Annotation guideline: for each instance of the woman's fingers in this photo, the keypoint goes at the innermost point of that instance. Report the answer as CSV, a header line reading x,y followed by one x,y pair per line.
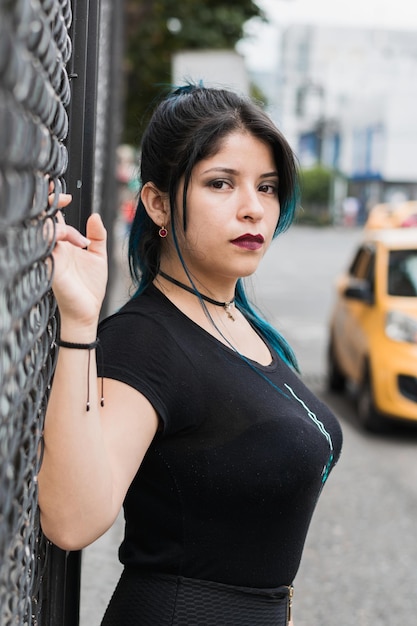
x,y
95,228
96,233
63,199
59,218
63,232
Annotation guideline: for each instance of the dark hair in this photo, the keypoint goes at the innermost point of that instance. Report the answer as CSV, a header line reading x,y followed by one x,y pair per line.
x,y
187,127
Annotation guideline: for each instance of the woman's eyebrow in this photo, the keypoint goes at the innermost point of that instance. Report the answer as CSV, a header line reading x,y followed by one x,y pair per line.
x,y
229,170
269,175
226,170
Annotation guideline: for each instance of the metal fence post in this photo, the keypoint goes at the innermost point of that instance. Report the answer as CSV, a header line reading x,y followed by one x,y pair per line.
x,y
82,116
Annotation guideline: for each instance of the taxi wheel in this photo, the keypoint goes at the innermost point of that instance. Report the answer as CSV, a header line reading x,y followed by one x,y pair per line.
x,y
336,380
368,416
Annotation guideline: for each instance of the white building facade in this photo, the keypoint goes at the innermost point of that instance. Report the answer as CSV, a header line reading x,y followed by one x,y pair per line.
x,y
348,100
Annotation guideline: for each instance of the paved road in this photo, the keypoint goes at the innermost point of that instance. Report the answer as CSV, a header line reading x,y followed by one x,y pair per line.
x,y
360,559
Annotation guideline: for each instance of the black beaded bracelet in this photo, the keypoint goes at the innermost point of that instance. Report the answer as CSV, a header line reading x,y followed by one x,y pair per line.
x,y
77,346
84,346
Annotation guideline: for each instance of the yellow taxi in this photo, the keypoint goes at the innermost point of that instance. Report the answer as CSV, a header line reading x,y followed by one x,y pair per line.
x,y
392,215
373,328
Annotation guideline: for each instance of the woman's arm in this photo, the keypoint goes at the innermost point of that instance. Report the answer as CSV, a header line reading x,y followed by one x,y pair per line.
x,y
91,457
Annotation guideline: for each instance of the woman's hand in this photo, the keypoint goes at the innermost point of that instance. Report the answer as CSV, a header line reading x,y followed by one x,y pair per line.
x,y
80,270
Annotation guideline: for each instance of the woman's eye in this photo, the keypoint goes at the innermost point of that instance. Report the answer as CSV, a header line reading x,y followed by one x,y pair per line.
x,y
219,184
269,188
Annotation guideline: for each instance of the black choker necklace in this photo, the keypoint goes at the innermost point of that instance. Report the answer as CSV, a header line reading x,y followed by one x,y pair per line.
x,y
226,305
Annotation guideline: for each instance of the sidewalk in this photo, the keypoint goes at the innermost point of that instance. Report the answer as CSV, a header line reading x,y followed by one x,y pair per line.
x,y
100,572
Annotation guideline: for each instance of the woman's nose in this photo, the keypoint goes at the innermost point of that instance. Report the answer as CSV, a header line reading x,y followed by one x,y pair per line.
x,y
251,206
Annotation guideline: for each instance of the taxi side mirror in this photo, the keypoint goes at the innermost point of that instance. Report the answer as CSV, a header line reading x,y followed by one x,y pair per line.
x,y
359,290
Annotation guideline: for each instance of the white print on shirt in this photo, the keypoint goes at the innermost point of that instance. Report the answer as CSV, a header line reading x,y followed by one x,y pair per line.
x,y
320,426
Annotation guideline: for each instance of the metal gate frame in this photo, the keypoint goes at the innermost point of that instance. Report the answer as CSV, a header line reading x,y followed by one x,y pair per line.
x,y
39,583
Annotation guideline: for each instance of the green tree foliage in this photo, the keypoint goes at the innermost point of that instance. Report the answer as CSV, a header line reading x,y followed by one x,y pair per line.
x,y
315,185
155,29
315,196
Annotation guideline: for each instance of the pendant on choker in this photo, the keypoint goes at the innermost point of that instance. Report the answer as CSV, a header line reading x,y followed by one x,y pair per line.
x,y
227,306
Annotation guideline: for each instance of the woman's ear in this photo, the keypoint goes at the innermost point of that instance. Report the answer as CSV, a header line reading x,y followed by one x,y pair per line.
x,y
156,204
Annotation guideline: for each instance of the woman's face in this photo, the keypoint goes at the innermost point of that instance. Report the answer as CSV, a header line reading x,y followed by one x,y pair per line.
x,y
232,210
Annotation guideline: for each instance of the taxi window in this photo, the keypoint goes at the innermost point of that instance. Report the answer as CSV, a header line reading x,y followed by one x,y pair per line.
x,y
402,273
363,264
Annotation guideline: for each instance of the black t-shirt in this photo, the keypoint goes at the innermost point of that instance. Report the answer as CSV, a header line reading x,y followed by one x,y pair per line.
x,y
228,486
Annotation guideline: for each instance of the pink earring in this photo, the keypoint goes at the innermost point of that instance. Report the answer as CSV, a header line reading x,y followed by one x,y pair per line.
x,y
163,232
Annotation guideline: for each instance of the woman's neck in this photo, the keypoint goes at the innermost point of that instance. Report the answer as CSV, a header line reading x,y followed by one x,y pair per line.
x,y
220,290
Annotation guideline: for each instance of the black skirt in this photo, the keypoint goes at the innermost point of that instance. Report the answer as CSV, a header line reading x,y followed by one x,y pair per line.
x,y
161,600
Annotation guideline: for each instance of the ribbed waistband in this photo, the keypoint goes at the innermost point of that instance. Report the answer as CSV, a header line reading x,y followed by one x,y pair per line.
x,y
163,600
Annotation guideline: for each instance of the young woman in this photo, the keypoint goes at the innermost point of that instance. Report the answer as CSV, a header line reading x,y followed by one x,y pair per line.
x,y
197,421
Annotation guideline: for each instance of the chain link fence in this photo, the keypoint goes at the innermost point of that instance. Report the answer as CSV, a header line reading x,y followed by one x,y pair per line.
x,y
48,104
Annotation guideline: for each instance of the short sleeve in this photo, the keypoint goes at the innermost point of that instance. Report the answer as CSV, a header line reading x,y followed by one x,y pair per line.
x,y
139,350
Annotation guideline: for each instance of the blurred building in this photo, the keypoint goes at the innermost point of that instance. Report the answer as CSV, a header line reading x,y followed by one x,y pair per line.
x,y
216,68
346,98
